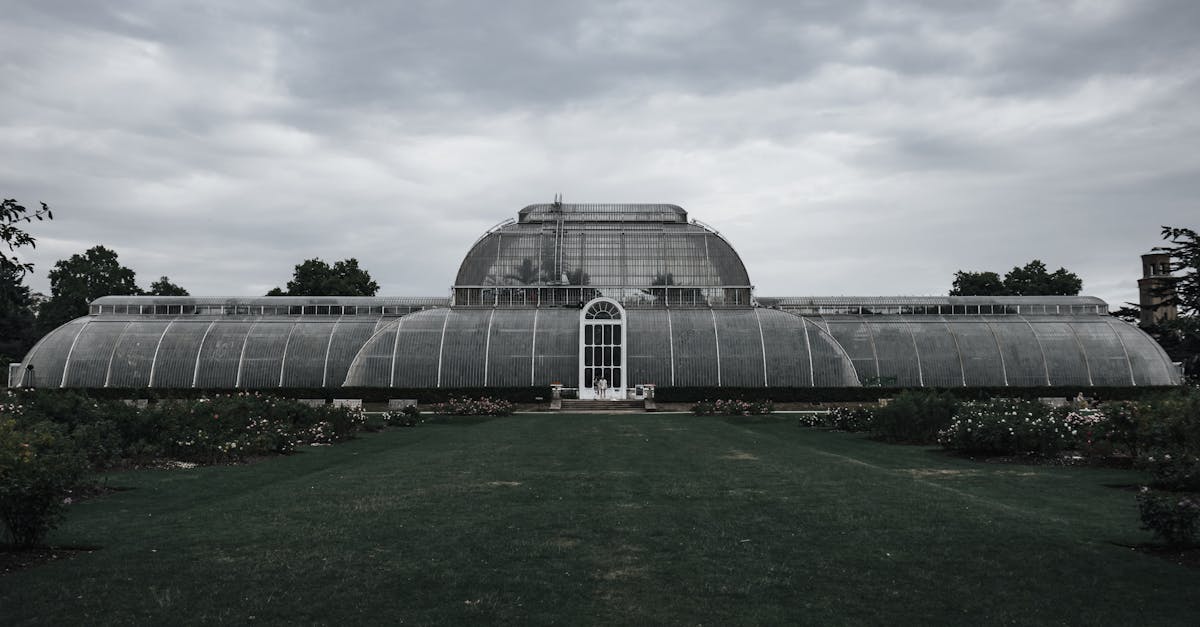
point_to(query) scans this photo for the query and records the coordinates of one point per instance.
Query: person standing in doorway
(602, 385)
(595, 387)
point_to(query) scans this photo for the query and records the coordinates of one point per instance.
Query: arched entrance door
(602, 341)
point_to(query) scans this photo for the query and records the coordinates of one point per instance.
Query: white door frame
(599, 314)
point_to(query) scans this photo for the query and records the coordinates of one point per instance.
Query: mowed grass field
(590, 519)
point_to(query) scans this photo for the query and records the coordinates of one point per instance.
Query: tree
(578, 277)
(16, 315)
(1031, 280)
(13, 237)
(1129, 312)
(977, 284)
(16, 306)
(1181, 337)
(164, 287)
(659, 294)
(79, 280)
(526, 274)
(1184, 288)
(314, 277)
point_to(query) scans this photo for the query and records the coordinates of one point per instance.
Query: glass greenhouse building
(571, 293)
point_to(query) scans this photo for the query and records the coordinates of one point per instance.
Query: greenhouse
(568, 294)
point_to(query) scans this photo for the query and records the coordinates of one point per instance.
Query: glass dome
(642, 255)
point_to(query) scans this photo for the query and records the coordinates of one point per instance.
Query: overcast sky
(844, 148)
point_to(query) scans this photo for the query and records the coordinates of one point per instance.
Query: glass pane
(587, 335)
(607, 334)
(615, 381)
(616, 355)
(608, 360)
(617, 335)
(587, 357)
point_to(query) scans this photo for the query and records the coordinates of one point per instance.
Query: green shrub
(227, 427)
(854, 420)
(1174, 518)
(1090, 431)
(101, 443)
(236, 426)
(1178, 471)
(733, 407)
(1125, 423)
(1168, 439)
(1007, 427)
(482, 406)
(1171, 422)
(915, 416)
(815, 419)
(38, 466)
(851, 419)
(409, 416)
(102, 430)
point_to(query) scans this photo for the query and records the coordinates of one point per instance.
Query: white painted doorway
(602, 354)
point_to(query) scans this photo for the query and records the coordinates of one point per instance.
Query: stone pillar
(556, 396)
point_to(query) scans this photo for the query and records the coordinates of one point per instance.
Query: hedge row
(368, 395)
(662, 394)
(49, 438)
(872, 394)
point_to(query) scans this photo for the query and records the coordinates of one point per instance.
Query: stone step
(574, 401)
(571, 404)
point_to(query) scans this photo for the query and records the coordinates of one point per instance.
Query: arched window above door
(603, 310)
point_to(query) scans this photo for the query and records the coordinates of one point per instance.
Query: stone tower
(1154, 289)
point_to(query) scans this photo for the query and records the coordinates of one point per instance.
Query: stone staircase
(574, 405)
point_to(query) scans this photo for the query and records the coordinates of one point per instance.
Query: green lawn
(609, 519)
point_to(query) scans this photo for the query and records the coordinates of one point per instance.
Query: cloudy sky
(857, 148)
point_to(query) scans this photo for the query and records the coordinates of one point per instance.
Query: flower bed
(1006, 427)
(223, 428)
(482, 406)
(48, 439)
(854, 420)
(733, 407)
(409, 416)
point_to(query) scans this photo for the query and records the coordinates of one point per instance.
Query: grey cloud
(859, 147)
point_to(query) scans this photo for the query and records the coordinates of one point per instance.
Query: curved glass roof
(197, 352)
(615, 246)
(447, 347)
(532, 347)
(1023, 351)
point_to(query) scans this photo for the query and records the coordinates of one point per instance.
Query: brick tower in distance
(1154, 290)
